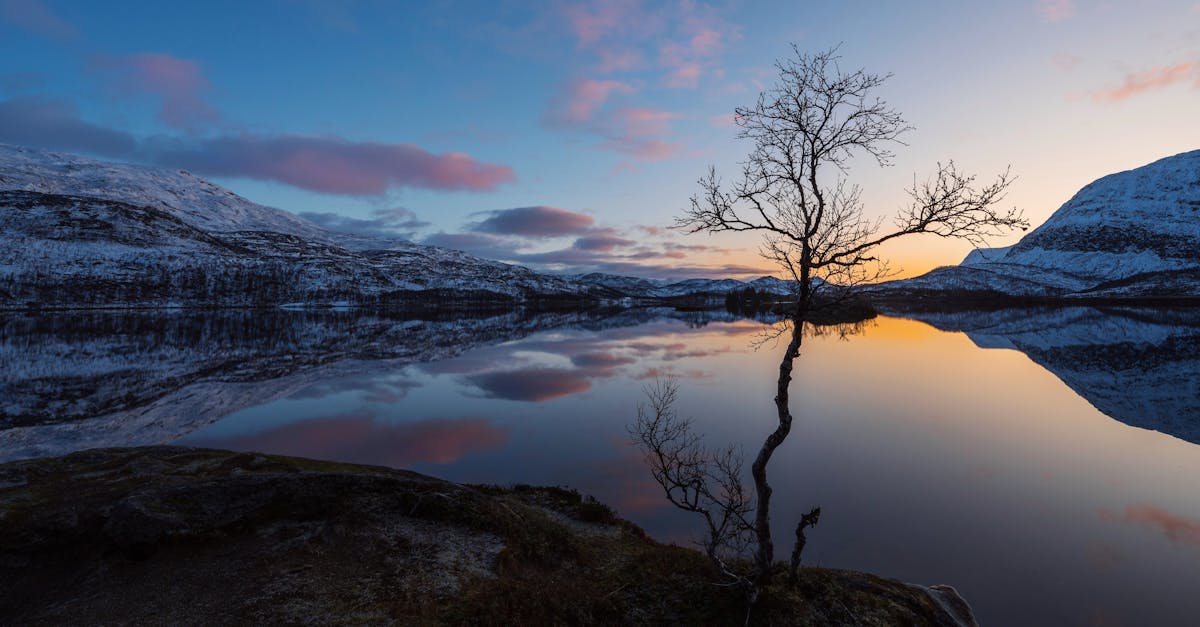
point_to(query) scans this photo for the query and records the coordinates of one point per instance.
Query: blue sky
(592, 119)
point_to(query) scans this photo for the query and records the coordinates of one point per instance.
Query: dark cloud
(481, 244)
(56, 125)
(531, 384)
(601, 242)
(535, 222)
(397, 222)
(321, 164)
(601, 363)
(600, 256)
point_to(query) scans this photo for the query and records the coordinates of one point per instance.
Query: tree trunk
(765, 555)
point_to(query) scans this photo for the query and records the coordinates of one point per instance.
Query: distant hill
(81, 233)
(1134, 234)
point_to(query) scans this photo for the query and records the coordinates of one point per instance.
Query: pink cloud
(334, 165)
(641, 121)
(618, 59)
(706, 42)
(623, 167)
(678, 42)
(590, 24)
(602, 242)
(1065, 61)
(639, 131)
(724, 120)
(37, 18)
(649, 149)
(1177, 529)
(686, 59)
(1149, 80)
(178, 83)
(361, 439)
(1055, 10)
(584, 99)
(685, 76)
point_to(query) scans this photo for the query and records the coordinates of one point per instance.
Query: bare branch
(697, 479)
(805, 130)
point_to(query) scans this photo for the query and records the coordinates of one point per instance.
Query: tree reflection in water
(709, 481)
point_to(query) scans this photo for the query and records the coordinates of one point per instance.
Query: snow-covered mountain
(635, 287)
(78, 232)
(192, 200)
(1138, 366)
(1130, 234)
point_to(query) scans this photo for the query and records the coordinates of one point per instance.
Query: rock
(193, 536)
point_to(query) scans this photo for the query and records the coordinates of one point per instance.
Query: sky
(568, 136)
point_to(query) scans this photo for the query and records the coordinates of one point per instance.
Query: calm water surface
(1045, 463)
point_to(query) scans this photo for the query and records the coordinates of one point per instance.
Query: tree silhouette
(805, 131)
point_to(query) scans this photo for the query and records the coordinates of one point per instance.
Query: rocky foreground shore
(170, 535)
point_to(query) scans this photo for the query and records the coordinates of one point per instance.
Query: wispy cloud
(659, 45)
(35, 17)
(1065, 61)
(687, 60)
(581, 101)
(602, 242)
(179, 84)
(591, 22)
(1055, 10)
(1149, 80)
(641, 132)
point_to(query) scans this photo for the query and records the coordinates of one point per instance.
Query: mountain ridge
(1131, 234)
(84, 233)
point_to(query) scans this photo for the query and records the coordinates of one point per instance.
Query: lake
(1043, 461)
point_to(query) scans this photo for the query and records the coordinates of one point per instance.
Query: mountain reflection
(69, 382)
(1138, 366)
(74, 381)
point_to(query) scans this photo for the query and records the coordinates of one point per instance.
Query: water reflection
(365, 439)
(934, 461)
(531, 384)
(1138, 366)
(79, 381)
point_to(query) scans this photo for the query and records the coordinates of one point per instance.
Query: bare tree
(805, 131)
